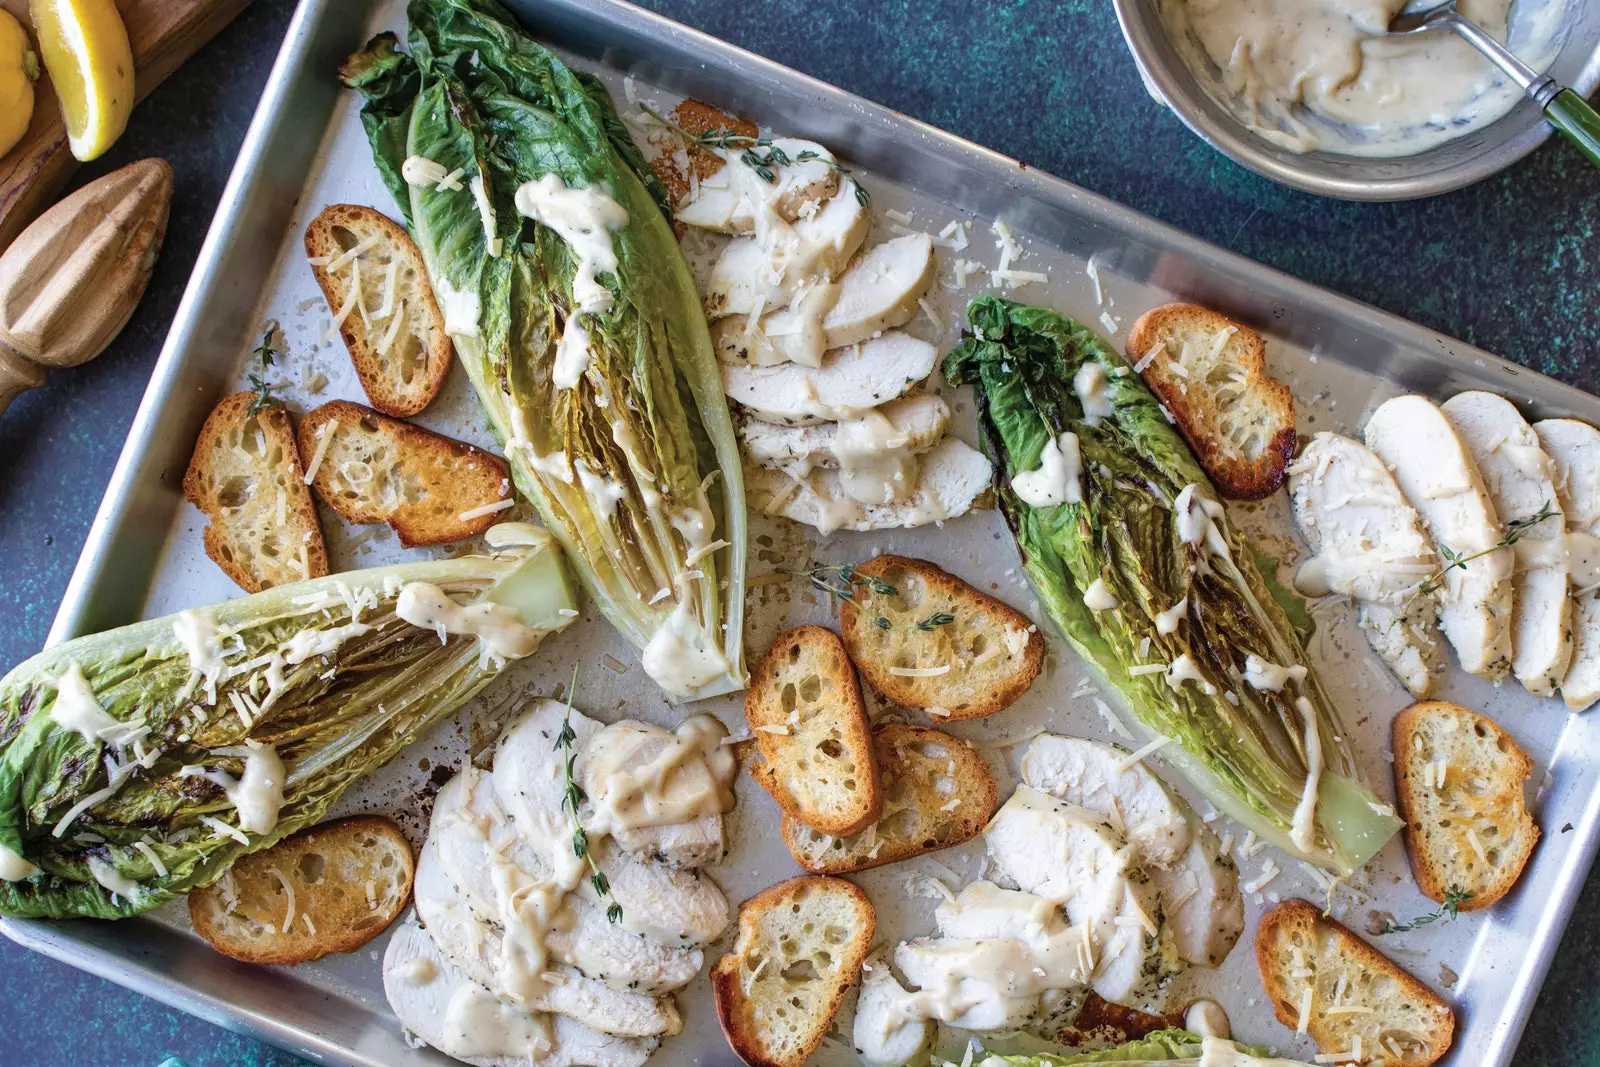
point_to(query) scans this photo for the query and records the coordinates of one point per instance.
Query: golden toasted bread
(1458, 777)
(1210, 372)
(329, 888)
(935, 642)
(429, 488)
(812, 735)
(245, 474)
(695, 118)
(800, 947)
(391, 323)
(937, 792)
(1402, 1020)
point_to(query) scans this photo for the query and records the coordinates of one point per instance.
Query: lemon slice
(85, 49)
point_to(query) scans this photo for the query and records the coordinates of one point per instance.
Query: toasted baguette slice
(937, 792)
(1211, 373)
(1409, 1025)
(1470, 833)
(401, 364)
(245, 474)
(812, 733)
(328, 888)
(801, 944)
(371, 468)
(988, 653)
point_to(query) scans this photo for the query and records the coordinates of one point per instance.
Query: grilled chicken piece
(920, 419)
(444, 1008)
(737, 200)
(1367, 543)
(694, 843)
(480, 850)
(794, 334)
(1441, 481)
(881, 1036)
(1201, 906)
(1091, 775)
(483, 954)
(1518, 476)
(762, 273)
(676, 908)
(951, 477)
(1574, 451)
(933, 963)
(850, 380)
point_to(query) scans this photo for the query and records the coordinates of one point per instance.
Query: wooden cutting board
(163, 34)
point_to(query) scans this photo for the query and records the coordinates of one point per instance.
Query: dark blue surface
(1510, 265)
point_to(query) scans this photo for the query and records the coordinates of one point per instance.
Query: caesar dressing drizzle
(682, 657)
(1090, 385)
(1265, 675)
(13, 868)
(1056, 480)
(1303, 829)
(498, 627)
(197, 632)
(689, 776)
(585, 219)
(258, 793)
(111, 879)
(477, 1024)
(76, 709)
(876, 464)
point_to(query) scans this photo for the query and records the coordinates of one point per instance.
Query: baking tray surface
(1105, 264)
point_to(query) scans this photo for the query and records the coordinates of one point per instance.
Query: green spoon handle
(1571, 114)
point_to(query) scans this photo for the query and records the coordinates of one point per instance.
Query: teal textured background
(1511, 265)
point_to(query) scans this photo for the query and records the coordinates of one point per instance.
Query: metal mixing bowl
(1456, 163)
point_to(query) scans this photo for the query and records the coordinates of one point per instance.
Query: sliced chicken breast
(676, 908)
(1518, 476)
(880, 290)
(738, 200)
(1091, 775)
(794, 334)
(754, 275)
(1202, 908)
(1440, 480)
(1367, 543)
(481, 952)
(881, 1033)
(1574, 451)
(985, 911)
(920, 418)
(927, 964)
(951, 477)
(480, 850)
(693, 843)
(442, 1007)
(850, 380)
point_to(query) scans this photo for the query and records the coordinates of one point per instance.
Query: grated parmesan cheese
(920, 672)
(1141, 753)
(486, 509)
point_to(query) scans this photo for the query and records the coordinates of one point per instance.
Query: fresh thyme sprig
(572, 799)
(928, 625)
(752, 155)
(1514, 531)
(1453, 899)
(842, 580)
(265, 354)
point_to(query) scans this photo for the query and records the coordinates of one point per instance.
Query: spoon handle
(1571, 114)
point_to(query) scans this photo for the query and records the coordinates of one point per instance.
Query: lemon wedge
(85, 49)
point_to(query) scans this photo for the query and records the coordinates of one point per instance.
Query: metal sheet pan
(304, 150)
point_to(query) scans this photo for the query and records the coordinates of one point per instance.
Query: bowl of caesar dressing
(1310, 93)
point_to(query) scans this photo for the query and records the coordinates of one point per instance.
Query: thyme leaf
(266, 356)
(1454, 558)
(759, 153)
(1453, 899)
(572, 799)
(842, 580)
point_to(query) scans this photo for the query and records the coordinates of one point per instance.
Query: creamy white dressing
(688, 776)
(460, 307)
(310, 643)
(682, 658)
(1208, 1019)
(1197, 516)
(604, 493)
(876, 461)
(1090, 385)
(257, 794)
(1319, 74)
(111, 879)
(1098, 597)
(1576, 550)
(1056, 479)
(1217, 1051)
(13, 868)
(425, 173)
(584, 219)
(1184, 669)
(418, 971)
(477, 1024)
(197, 632)
(1167, 621)
(1303, 827)
(76, 709)
(499, 628)
(1271, 677)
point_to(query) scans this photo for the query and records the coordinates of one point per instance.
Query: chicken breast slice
(951, 477)
(794, 334)
(1441, 481)
(1518, 475)
(693, 843)
(880, 290)
(920, 419)
(754, 275)
(738, 200)
(1091, 775)
(482, 853)
(979, 1005)
(481, 952)
(677, 908)
(1574, 451)
(1202, 908)
(442, 1007)
(1367, 543)
(849, 381)
(882, 1035)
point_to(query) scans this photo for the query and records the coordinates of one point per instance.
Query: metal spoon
(1565, 109)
